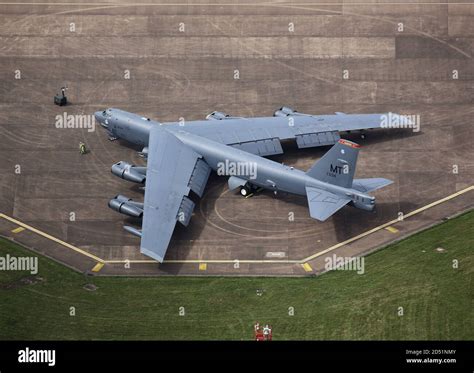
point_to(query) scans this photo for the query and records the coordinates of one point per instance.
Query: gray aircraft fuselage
(270, 175)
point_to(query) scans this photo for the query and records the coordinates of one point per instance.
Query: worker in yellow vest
(82, 148)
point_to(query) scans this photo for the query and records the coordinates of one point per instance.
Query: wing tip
(152, 254)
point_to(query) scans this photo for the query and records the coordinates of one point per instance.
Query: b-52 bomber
(181, 155)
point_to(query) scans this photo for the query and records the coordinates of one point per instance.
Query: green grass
(437, 299)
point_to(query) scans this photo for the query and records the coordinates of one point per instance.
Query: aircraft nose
(99, 117)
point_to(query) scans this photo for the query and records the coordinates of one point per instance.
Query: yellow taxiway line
(52, 238)
(199, 261)
(250, 261)
(394, 221)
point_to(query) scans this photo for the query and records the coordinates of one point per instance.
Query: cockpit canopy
(107, 113)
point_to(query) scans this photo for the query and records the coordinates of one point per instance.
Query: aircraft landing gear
(245, 190)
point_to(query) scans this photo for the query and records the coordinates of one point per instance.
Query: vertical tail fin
(338, 165)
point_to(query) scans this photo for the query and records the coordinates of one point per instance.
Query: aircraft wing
(323, 204)
(262, 136)
(368, 185)
(354, 122)
(173, 169)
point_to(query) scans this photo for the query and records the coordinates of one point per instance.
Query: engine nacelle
(126, 206)
(279, 113)
(217, 115)
(144, 152)
(287, 110)
(132, 230)
(284, 112)
(129, 172)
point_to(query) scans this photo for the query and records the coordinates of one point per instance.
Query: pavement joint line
(52, 238)
(236, 4)
(256, 261)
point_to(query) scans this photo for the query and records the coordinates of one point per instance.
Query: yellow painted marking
(97, 267)
(301, 261)
(52, 238)
(197, 261)
(392, 229)
(18, 230)
(249, 195)
(307, 267)
(373, 230)
(202, 266)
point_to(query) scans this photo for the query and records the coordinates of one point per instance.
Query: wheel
(244, 191)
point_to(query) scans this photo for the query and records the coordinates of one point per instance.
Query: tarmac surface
(177, 60)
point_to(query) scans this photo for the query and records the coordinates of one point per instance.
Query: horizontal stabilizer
(323, 204)
(368, 185)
